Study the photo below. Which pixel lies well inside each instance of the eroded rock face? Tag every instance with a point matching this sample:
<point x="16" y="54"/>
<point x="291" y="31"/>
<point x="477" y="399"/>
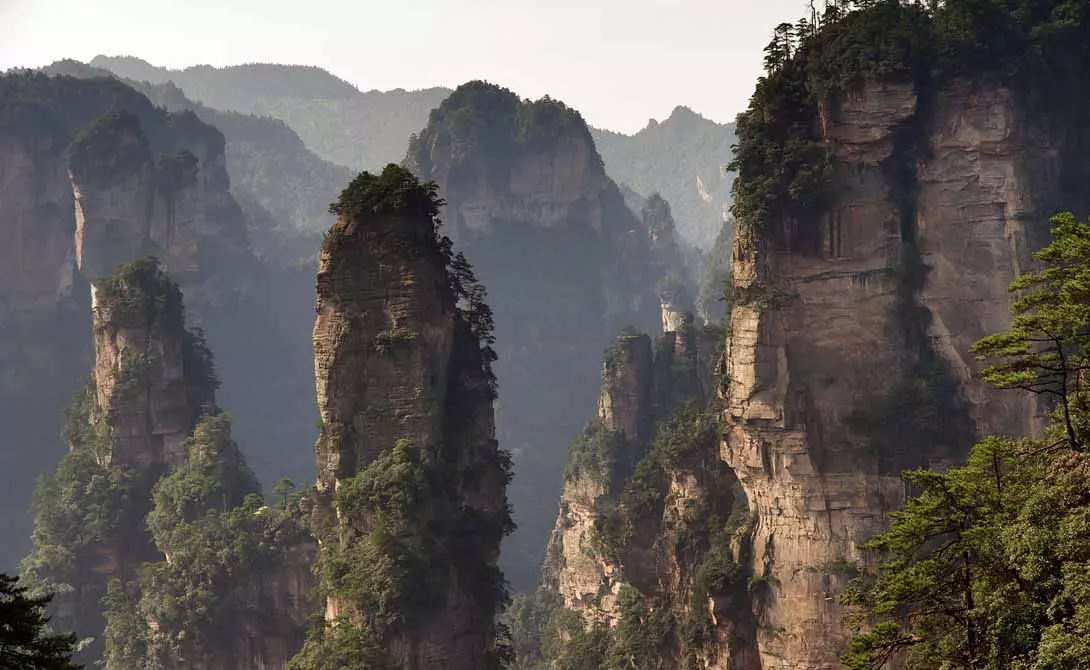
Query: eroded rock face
<point x="851" y="325"/>
<point x="401" y="368"/>
<point x="80" y="198"/>
<point x="652" y="442"/>
<point x="567" y="265"/>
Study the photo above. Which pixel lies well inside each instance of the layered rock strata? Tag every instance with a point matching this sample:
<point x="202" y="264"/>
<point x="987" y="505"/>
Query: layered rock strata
<point x="848" y="355"/>
<point x="568" y="265"/>
<point x="402" y="355"/>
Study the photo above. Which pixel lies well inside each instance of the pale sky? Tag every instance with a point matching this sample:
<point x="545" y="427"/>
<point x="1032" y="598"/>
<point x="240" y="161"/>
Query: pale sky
<point x="620" y="62"/>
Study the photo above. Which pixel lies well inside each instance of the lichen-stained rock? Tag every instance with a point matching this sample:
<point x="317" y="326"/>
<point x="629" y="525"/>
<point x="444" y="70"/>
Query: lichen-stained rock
<point x="402" y="354"/>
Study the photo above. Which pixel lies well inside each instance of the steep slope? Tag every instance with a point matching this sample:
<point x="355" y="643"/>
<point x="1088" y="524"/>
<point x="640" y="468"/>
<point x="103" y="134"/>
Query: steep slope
<point x="682" y="158"/>
<point x="567" y="263"/>
<point x="360" y="130"/>
<point x="642" y="568"/>
<point x="411" y="500"/>
<point x="130" y="203"/>
<point x="884" y="203"/>
<point x="283" y="187"/>
<point x="147" y="182"/>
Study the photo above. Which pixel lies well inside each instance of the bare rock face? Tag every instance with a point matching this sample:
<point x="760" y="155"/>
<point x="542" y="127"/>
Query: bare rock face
<point x="566" y="262"/>
<point x="152" y="377"/>
<point x="402" y="373"/>
<point x="849" y="360"/>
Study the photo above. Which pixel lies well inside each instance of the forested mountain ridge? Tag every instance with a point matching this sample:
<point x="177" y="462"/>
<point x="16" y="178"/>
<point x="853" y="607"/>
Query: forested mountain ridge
<point x="349" y="127"/>
<point x="283" y="187"/>
<point x="682" y="157"/>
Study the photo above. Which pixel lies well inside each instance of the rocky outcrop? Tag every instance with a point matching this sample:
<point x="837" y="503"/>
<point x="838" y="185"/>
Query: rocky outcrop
<point x="80" y="194"/>
<point x="649" y="542"/>
<point x="567" y="263"/>
<point x="151" y="382"/>
<point x="405" y="394"/>
<point x="848" y="354"/>
<point x="152" y="531"/>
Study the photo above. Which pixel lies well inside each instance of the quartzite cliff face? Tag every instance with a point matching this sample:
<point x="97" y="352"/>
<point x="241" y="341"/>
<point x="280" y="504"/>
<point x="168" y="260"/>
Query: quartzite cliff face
<point x="405" y="393"/>
<point x="567" y="266"/>
<point x="848" y="355"/>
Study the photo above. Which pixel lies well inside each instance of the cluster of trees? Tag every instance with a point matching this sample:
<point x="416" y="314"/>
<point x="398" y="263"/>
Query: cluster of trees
<point x="988" y="567"/>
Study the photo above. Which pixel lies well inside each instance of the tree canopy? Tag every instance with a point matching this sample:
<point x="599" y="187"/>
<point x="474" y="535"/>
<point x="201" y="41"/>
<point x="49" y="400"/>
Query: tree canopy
<point x="25" y="640"/>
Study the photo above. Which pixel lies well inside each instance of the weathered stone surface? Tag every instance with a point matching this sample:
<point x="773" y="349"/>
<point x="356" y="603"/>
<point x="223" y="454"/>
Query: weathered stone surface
<point x="567" y="265"/>
<point x="396" y="361"/>
<point x="827" y="339"/>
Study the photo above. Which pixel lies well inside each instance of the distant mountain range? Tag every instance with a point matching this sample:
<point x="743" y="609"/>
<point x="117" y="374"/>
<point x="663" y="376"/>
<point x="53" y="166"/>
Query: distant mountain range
<point x="681" y="158"/>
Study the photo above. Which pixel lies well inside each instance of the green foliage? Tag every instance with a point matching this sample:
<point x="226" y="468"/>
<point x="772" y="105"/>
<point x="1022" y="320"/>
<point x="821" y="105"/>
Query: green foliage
<point x="140" y="295"/>
<point x="783" y="169"/>
<point x="594" y="453"/>
<point x="113" y="144"/>
<point x="688" y="432"/>
<point x="1045" y="349"/>
<point x="25" y="643"/>
<point x="987" y="566"/>
<point x="209" y="521"/>
<point x="642" y="635"/>
<point x="572" y="644"/>
<point x="340" y="644"/>
<point x="84" y="504"/>
<point x="393" y="192"/>
<point x="489" y="128"/>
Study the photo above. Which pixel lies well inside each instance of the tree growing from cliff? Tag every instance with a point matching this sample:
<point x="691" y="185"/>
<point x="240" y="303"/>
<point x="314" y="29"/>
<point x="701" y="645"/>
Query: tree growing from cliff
<point x="1045" y="351"/>
<point x="988" y="567"/>
<point x="25" y="642"/>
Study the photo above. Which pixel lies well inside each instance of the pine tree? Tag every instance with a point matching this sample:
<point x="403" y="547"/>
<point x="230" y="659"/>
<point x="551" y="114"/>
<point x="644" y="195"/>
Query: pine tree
<point x="25" y="642"/>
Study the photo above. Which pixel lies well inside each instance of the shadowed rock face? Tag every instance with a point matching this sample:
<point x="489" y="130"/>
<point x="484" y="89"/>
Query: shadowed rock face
<point x="81" y="197"/>
<point x="402" y="368"/>
<point x="934" y="211"/>
<point x="567" y="265"/>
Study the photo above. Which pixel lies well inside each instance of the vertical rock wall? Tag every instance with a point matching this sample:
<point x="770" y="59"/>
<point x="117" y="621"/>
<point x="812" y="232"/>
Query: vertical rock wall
<point x="847" y="327"/>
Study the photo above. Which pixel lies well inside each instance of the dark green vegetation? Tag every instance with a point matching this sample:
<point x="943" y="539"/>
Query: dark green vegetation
<point x="109" y="517"/>
<point x="412" y="535"/>
<point x="666" y="516"/>
<point x="25" y="643"/>
<point x="489" y="131"/>
<point x="359" y="130"/>
<point x="223" y="544"/>
<point x="682" y="158"/>
<point x="1037" y="46"/>
<point x="986" y="567"/>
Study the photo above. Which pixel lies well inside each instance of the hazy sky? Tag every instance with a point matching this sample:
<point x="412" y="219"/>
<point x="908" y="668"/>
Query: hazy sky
<point x="620" y="62"/>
